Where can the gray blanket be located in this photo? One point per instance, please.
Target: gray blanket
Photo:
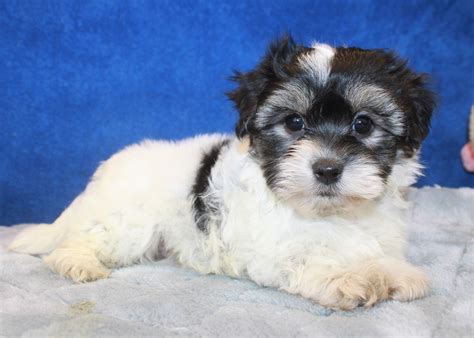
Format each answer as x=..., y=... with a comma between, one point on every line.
x=164, y=299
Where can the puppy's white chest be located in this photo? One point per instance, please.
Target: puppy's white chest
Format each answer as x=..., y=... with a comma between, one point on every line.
x=276, y=229
x=256, y=229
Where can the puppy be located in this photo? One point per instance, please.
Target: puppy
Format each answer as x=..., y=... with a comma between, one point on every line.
x=307, y=197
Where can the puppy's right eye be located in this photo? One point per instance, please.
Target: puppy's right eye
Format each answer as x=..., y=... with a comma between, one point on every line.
x=362, y=125
x=294, y=122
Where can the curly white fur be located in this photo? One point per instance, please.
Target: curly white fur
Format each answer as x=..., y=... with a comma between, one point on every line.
x=139, y=200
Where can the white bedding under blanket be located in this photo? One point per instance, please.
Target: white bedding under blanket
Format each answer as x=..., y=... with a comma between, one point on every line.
x=164, y=299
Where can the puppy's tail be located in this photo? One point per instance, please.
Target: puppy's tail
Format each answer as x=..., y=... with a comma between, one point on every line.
x=38, y=239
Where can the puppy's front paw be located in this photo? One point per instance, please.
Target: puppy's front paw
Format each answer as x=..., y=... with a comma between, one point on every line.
x=353, y=288
x=407, y=282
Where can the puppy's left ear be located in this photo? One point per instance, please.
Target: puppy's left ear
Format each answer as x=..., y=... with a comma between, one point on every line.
x=420, y=102
x=254, y=85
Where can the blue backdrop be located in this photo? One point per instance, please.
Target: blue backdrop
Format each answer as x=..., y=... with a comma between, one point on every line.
x=81, y=79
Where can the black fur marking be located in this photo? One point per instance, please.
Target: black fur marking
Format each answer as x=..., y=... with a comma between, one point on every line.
x=202, y=183
x=254, y=87
x=409, y=89
x=333, y=107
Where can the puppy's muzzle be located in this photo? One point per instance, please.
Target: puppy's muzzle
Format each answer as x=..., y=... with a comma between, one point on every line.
x=328, y=171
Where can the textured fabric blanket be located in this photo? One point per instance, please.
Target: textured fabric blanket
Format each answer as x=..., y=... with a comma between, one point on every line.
x=164, y=299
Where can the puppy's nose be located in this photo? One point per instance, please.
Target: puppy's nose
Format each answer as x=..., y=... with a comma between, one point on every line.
x=327, y=171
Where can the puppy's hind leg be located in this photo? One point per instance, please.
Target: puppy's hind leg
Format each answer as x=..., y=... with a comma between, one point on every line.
x=77, y=260
x=38, y=239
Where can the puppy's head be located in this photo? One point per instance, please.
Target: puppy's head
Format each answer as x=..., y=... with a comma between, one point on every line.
x=329, y=126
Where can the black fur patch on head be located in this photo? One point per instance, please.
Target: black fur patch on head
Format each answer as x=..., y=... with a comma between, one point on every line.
x=201, y=209
x=409, y=89
x=377, y=66
x=254, y=86
x=330, y=94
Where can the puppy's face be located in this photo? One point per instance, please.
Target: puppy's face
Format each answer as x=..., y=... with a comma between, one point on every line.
x=328, y=125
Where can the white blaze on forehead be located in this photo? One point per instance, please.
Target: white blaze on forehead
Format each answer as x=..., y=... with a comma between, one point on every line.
x=318, y=62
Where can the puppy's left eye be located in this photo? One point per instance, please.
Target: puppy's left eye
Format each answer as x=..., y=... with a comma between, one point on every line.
x=362, y=125
x=294, y=122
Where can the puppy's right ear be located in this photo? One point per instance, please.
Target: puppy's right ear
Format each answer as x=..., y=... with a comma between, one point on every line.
x=254, y=86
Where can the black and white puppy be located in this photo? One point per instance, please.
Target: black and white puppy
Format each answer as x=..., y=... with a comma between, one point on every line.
x=306, y=198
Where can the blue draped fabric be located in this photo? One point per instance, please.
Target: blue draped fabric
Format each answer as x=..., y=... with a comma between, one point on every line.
x=81, y=79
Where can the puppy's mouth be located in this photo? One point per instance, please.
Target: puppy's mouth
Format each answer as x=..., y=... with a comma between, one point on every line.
x=327, y=194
